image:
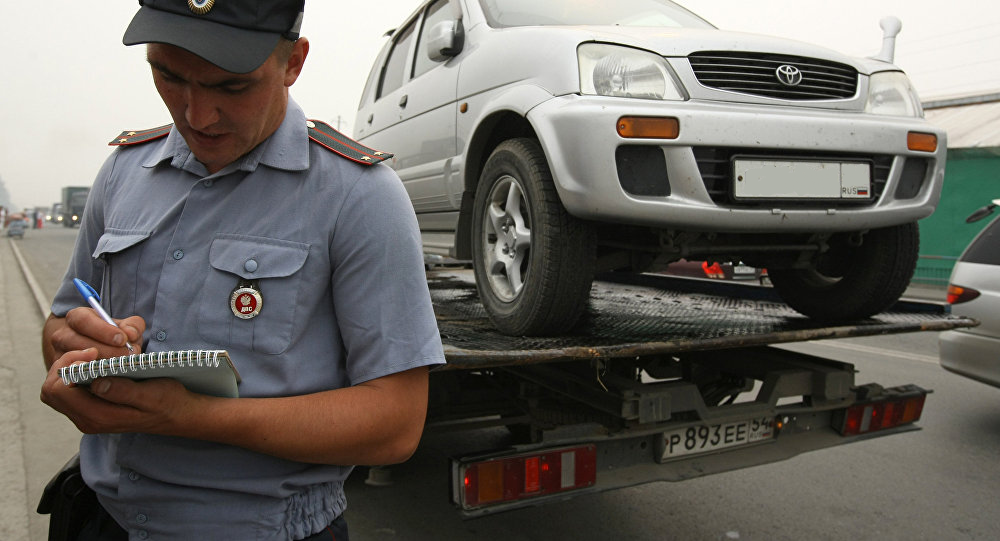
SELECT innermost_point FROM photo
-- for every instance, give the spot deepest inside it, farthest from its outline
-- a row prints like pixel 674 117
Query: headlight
pixel 612 70
pixel 891 93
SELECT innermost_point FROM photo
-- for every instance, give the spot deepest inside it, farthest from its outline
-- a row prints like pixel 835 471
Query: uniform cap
pixel 235 35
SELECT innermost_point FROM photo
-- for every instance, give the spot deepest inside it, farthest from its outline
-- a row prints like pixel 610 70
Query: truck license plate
pixel 707 438
pixel 771 179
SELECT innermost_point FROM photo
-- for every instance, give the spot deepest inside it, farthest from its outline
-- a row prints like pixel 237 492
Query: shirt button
pixel 143 534
pixel 178 254
pixel 141 518
pixel 161 335
pixel 132 476
pixel 208 183
pixel 250 265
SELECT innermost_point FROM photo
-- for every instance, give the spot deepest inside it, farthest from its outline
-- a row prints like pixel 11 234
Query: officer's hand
pixel 115 405
pixel 82 328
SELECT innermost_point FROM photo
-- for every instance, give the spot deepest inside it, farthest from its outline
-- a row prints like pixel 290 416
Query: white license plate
pixel 770 179
pixel 706 438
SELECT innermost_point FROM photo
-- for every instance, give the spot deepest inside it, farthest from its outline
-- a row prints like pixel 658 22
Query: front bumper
pixel 578 134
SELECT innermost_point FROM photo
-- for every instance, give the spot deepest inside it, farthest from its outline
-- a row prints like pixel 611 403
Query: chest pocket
pixel 122 255
pixel 273 266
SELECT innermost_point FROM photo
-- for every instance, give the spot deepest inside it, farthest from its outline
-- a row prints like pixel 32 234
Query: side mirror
pixel 445 40
pixel 983 212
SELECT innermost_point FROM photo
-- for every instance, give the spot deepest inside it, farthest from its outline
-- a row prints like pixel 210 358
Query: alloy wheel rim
pixel 507 238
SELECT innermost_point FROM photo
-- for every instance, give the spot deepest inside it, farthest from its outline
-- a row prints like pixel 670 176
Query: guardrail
pixel 934 269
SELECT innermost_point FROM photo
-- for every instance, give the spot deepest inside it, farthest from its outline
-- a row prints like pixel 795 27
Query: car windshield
pixel 656 13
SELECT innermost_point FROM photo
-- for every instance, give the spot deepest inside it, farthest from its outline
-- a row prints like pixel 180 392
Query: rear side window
pixel 985 248
pixel 395 67
pixel 373 78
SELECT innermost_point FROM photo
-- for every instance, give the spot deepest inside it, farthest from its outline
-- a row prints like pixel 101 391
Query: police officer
pixel 241 226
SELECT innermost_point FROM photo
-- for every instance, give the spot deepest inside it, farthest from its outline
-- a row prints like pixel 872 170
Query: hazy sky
pixel 69 85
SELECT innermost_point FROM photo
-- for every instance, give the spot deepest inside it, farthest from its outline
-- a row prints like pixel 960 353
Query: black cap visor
pixel 236 50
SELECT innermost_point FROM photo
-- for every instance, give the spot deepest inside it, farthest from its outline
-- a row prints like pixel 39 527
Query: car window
pixel 395 67
pixel 985 248
pixel 436 13
pixel 659 13
pixel 373 79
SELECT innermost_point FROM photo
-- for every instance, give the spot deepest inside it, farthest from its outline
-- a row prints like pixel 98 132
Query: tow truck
pixel 665 379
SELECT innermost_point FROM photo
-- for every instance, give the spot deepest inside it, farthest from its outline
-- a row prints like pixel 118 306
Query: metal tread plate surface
pixel 654 315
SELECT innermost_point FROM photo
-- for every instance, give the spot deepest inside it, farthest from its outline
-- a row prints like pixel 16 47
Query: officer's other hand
pixel 115 404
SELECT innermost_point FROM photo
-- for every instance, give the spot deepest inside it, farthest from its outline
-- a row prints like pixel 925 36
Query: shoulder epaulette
pixel 140 136
pixel 331 139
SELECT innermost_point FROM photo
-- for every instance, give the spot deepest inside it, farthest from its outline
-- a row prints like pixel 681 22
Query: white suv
pixel 550 141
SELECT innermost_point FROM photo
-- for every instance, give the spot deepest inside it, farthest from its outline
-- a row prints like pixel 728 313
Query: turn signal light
pixel 903 406
pixel 959 294
pixel 514 478
pixel 648 127
pixel 925 142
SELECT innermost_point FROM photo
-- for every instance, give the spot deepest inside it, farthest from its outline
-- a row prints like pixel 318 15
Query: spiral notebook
pixel 202 371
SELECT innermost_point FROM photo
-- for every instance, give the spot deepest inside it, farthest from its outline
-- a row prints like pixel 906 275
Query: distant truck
pixel 56 215
pixel 74 198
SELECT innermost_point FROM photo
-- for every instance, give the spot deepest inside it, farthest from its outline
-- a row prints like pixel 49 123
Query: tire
pixel 853 281
pixel 533 262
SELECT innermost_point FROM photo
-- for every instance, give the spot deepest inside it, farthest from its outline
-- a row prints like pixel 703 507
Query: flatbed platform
pixel 655 315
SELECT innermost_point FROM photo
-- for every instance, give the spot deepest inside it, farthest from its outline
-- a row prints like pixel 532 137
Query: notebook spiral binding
pixel 127 364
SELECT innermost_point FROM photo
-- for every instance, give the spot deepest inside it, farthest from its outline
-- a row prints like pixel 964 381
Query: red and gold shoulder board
pixel 331 139
pixel 138 137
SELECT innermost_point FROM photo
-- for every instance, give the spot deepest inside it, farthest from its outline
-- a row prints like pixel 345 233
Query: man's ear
pixel 300 50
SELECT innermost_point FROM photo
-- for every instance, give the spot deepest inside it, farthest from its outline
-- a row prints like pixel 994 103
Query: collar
pixel 286 149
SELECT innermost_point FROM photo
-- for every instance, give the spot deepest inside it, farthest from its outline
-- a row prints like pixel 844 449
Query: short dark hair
pixel 284 49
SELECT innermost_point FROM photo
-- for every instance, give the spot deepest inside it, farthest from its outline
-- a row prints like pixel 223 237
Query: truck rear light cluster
pixel 520 477
pixel 902 406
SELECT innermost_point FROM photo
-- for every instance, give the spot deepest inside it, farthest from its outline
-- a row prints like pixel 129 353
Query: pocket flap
pixel 257 257
pixel 114 241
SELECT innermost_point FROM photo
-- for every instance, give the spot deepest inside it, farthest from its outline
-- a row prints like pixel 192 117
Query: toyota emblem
pixel 788 75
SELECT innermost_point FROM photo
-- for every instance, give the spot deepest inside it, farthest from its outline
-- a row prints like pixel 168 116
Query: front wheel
pixel 533 261
pixel 856 278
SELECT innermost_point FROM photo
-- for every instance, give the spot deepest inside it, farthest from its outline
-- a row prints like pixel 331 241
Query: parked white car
pixel 974 291
pixel 549 141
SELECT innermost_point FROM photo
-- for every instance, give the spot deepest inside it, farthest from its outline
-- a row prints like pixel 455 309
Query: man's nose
pixel 201 111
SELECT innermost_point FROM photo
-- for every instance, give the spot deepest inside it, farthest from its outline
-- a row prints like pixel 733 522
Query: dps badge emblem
pixel 245 300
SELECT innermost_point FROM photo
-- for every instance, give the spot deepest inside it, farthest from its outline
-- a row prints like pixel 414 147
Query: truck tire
pixel 533 262
pixel 853 281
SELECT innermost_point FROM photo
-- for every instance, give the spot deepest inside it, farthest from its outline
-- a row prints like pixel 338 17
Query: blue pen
pixel 94 300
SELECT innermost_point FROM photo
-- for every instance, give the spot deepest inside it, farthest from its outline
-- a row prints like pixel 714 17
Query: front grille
pixel 756 73
pixel 714 164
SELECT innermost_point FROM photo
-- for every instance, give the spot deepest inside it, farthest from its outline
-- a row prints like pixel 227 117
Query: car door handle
pixel 371 116
pixel 402 101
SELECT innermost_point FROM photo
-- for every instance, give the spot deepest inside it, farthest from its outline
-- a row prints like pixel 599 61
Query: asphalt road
pixel 937 483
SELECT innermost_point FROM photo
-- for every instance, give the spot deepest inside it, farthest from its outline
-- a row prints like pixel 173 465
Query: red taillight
pixel 507 479
pixel 713 271
pixel 901 407
pixel 959 294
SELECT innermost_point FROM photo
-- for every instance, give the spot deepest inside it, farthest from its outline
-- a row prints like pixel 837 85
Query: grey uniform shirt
pixel 334 250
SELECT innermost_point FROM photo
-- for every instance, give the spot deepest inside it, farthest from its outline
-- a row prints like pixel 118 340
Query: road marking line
pixel 878 351
pixel 36 290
